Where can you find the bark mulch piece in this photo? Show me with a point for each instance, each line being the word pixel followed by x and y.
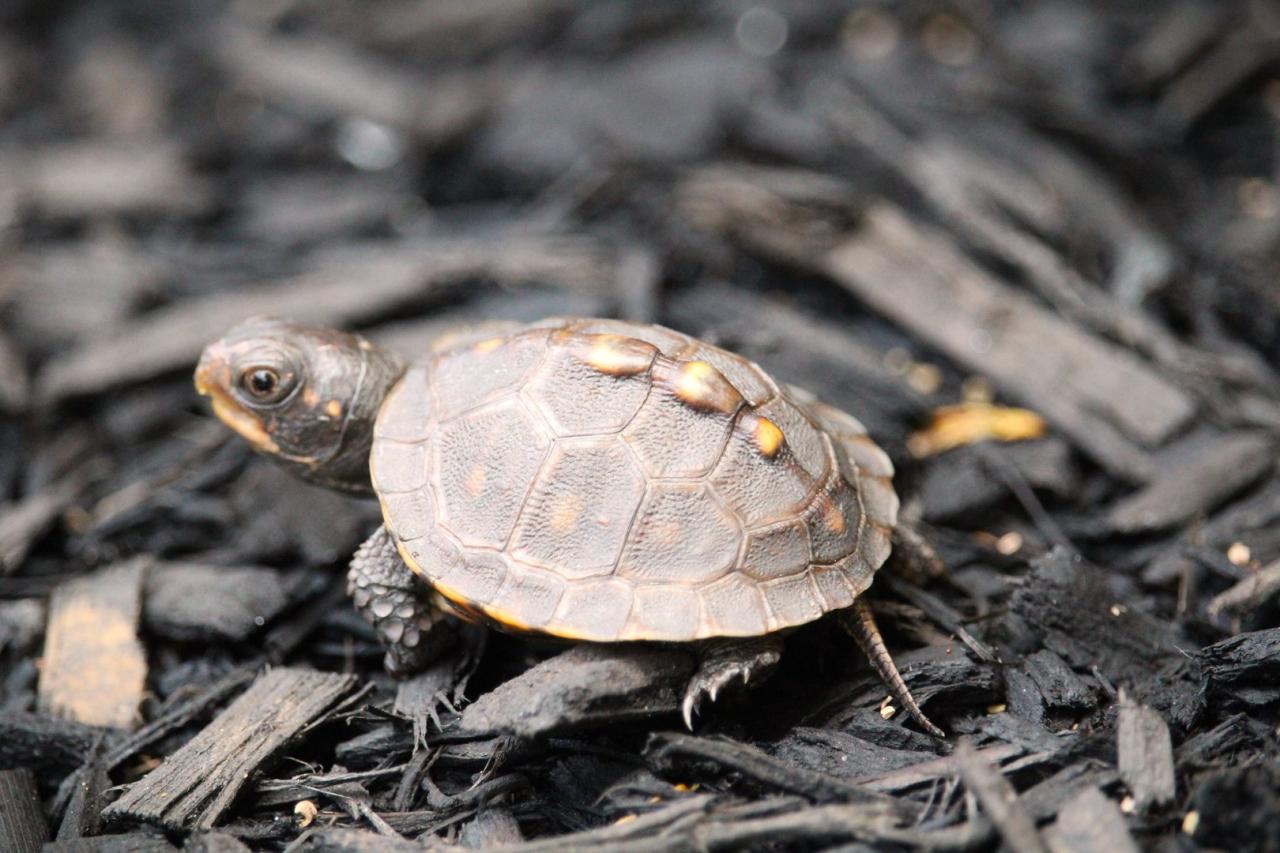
pixel 22 825
pixel 198 783
pixel 95 667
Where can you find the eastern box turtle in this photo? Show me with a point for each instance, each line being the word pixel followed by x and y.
pixel 589 479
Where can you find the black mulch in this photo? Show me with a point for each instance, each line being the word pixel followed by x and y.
pixel 1069 207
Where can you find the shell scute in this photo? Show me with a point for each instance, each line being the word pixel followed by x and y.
pixel 681 536
pixel 760 488
pixel 579 511
pixel 777 551
pixel 484 463
pixel 702 431
pixel 470 375
pixel 577 396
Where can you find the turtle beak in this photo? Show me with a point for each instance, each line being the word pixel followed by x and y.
pixel 212 379
pixel 204 376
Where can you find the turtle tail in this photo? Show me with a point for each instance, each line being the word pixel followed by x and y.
pixel 861 625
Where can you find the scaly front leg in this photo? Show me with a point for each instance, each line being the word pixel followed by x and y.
pixel 397 603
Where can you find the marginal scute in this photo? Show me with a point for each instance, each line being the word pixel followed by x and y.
pixel 467 376
pixel 477 575
pixel 857 572
pixel 406 414
pixel 484 464
pixel 833 586
pixel 867 455
pixel 879 500
pixel 577 398
pixel 672 613
pixel 875 544
pixel 594 609
pixel 527 599
pixel 412 515
pixel 397 467
pixel 602 478
pixel 682 535
pixel 793 600
pixel 735 607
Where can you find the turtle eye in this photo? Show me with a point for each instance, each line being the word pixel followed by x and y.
pixel 263 384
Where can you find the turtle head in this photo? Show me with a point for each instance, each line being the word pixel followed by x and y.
pixel 305 396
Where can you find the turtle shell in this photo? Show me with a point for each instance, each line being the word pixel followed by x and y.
pixel 606 481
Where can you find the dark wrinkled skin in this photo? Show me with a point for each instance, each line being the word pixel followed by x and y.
pixel 318 420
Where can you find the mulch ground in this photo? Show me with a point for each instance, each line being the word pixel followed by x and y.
pixel 1032 246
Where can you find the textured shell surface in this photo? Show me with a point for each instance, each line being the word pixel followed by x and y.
pixel 606 481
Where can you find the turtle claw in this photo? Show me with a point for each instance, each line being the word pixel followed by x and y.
pixel 723 666
pixel 688 708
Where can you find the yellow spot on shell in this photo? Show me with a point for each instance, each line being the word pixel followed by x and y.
pixel 701 386
pixel 310 397
pixel 619 356
pixel 333 409
pixel 568 510
pixel 487 345
pixel 768 437
pixel 475 481
pixel 832 517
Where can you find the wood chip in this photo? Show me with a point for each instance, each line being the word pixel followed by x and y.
pixel 329 79
pixel 15 389
pixel 196 785
pixel 1197 482
pixel 999 800
pixel 1250 593
pixel 194 601
pixel 22 825
pixel 23 522
pixel 46 744
pixel 1111 404
pixel 106 177
pixel 586 685
pixel 94 668
pixel 1146 755
pixel 1090 822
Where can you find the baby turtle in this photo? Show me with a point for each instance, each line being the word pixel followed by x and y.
pixel 588 479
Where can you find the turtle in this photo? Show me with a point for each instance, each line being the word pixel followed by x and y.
pixel 589 479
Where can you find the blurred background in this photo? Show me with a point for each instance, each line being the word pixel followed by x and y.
pixel 1031 245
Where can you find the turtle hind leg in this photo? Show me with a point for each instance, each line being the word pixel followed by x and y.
pixel 861 624
pixel 721 662
pixel 397 604
pixel 913 559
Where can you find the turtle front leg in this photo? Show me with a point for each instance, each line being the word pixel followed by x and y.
pixel 722 661
pixel 398 605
